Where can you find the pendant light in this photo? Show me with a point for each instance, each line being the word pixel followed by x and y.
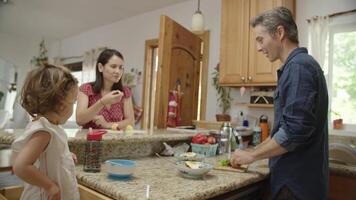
pixel 198 20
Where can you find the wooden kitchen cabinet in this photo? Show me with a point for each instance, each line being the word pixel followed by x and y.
pixel 341 187
pixel 258 190
pixel 240 63
pixel 14 193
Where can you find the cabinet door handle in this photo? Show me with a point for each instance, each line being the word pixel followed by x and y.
pixel 243 78
pixel 249 78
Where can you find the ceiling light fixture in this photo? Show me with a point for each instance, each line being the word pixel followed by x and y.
pixel 198 20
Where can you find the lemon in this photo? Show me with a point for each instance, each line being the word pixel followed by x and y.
pixel 129 128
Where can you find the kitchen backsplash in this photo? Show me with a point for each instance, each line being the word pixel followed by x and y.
pixel 251 112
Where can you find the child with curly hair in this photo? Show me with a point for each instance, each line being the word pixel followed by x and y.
pixel 41 155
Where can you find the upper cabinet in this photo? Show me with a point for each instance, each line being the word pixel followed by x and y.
pixel 240 63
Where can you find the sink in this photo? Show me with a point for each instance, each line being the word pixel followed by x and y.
pixel 341 153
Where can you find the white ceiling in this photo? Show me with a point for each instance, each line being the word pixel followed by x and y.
pixel 56 19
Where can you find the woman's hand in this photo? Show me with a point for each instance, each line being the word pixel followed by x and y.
pixel 53 192
pixel 240 157
pixel 112 97
pixel 100 120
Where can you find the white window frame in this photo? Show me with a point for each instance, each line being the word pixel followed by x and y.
pixel 71 122
pixel 334 29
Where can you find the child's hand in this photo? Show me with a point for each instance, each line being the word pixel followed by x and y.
pixel 53 192
pixel 75 159
pixel 100 120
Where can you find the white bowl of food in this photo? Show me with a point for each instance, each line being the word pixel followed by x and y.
pixel 193 169
pixel 190 156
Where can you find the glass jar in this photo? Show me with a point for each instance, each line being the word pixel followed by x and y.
pixel 257 132
pixel 223 145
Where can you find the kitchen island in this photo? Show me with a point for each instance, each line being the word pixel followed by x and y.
pixel 164 180
pixel 78 136
pixel 138 144
pixel 116 144
pixel 166 183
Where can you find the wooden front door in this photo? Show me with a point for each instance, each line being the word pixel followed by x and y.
pixel 179 52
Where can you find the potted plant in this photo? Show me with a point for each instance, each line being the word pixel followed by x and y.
pixel 42 58
pixel 224 98
pixel 337 122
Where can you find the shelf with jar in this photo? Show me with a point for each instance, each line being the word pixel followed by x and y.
pixel 257 97
pixel 252 105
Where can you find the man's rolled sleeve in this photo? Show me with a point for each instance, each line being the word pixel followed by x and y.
pixel 281 138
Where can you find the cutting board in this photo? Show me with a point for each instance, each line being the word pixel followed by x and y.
pixel 242 169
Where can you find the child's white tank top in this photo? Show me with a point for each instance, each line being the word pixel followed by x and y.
pixel 56 161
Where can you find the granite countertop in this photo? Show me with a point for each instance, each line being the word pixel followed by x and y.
pixel 342 170
pixel 77 136
pixel 116 144
pixel 166 183
pixel 139 144
pixel 161 174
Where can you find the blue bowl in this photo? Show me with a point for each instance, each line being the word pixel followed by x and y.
pixel 119 169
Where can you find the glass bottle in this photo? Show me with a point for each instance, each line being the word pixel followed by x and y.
pixel 93 150
pixel 257 132
pixel 227 132
pixel 264 127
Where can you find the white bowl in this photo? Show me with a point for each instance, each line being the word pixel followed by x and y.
pixel 187 157
pixel 188 172
pixel 119 169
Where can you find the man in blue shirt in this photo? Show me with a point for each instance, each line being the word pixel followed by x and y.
pixel 298 145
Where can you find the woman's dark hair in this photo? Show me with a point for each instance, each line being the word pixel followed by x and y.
pixel 104 58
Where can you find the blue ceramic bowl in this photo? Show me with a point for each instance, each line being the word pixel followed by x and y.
pixel 119 169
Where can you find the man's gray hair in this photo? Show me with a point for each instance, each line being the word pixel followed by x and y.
pixel 279 16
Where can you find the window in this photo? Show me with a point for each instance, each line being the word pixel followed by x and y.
pixel 78 75
pixel 76 69
pixel 342 73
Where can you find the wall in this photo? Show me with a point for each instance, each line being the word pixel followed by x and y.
pixel 129 36
pixel 306 9
pixel 18 51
